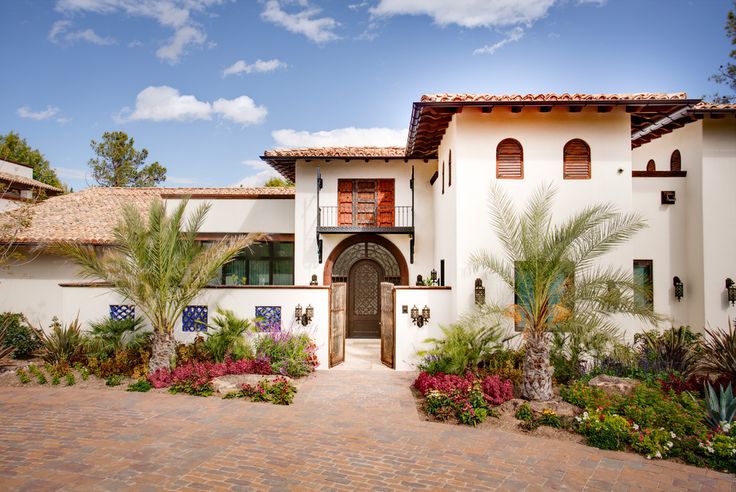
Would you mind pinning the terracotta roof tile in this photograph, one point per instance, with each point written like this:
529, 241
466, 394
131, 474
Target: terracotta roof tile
343, 152
551, 97
14, 178
709, 106
89, 216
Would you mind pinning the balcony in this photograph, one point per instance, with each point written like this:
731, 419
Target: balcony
366, 218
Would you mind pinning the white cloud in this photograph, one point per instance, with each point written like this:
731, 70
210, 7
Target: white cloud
61, 33
164, 103
306, 21
341, 137
241, 110
62, 120
135, 44
44, 114
259, 66
513, 35
69, 173
180, 181
172, 14
264, 172
468, 13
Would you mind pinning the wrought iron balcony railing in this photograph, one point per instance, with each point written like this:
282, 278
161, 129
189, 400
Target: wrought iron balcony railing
361, 218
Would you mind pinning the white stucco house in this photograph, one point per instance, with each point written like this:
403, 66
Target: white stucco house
363, 223
17, 186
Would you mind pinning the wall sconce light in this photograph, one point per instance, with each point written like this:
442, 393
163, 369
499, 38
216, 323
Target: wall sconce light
731, 289
434, 276
304, 316
314, 280
480, 292
679, 288
420, 319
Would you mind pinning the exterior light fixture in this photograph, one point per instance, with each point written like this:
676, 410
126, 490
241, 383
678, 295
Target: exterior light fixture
731, 289
679, 288
314, 279
480, 292
420, 319
304, 316
420, 280
434, 276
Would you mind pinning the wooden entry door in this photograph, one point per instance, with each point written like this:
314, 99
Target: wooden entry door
364, 299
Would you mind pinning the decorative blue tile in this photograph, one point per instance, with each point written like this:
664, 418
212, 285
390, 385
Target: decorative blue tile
194, 318
268, 318
122, 311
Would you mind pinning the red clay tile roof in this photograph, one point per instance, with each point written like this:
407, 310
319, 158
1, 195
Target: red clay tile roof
89, 216
338, 152
551, 97
22, 180
709, 106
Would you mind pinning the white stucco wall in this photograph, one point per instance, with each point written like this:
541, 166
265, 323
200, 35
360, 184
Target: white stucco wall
16, 169
240, 215
93, 303
409, 338
305, 210
543, 136
672, 240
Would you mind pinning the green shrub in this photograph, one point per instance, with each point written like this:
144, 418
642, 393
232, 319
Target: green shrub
506, 363
462, 347
55, 380
279, 391
524, 412
142, 386
671, 350
605, 431
70, 379
572, 344
550, 419
650, 408
22, 376
64, 345
114, 380
584, 396
228, 341
109, 336
192, 352
718, 355
18, 335
291, 354
38, 374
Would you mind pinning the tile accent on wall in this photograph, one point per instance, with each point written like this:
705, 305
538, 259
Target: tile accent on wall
194, 318
268, 318
122, 311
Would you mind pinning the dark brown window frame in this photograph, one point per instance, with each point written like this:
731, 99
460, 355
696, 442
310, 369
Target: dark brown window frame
676, 160
521, 159
564, 160
650, 265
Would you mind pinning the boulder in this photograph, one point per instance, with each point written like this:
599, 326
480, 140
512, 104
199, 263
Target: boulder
561, 408
232, 382
614, 386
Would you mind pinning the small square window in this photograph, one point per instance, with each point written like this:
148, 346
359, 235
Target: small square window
268, 318
194, 318
122, 311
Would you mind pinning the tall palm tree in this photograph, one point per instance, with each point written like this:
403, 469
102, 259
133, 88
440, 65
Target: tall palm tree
159, 265
556, 279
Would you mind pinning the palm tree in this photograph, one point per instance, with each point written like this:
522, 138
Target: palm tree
159, 265
553, 271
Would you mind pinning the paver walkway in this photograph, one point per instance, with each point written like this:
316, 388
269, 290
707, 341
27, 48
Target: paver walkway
346, 431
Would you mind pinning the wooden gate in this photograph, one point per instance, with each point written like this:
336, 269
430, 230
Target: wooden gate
388, 332
338, 304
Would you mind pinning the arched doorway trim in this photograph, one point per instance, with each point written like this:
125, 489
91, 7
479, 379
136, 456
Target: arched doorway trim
366, 238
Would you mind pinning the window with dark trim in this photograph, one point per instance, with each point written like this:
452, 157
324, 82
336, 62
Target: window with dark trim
265, 263
576, 160
676, 161
644, 282
509, 160
449, 170
443, 177
651, 166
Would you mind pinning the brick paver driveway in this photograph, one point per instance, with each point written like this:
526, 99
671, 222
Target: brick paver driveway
347, 430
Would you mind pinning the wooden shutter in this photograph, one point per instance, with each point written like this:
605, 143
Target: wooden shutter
576, 160
676, 161
385, 202
509, 160
651, 166
364, 198
345, 202
449, 170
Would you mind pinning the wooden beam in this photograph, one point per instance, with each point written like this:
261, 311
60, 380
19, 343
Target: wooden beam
516, 109
486, 109
433, 178
575, 109
545, 109
605, 109
634, 109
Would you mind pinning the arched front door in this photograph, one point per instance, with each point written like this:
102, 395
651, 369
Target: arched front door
364, 299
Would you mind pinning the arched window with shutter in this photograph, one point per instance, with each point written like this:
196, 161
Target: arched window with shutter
576, 160
651, 166
676, 161
509, 160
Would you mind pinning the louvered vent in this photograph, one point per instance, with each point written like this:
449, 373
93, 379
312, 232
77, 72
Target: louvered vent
576, 160
509, 160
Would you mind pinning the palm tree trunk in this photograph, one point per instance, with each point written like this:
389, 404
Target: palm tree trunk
537, 379
163, 351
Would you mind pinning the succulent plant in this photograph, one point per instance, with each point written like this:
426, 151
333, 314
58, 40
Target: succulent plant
720, 408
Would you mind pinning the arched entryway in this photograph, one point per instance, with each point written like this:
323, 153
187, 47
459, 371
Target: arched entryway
363, 262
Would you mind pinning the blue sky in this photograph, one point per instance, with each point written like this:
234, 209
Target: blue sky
207, 85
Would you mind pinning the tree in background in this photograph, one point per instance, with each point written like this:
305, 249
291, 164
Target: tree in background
279, 183
15, 148
727, 74
118, 163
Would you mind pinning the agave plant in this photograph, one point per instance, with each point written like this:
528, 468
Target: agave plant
553, 272
109, 335
720, 408
63, 345
718, 353
228, 340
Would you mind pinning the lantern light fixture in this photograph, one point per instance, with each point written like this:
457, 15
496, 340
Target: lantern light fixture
679, 288
434, 276
304, 316
420, 319
731, 290
480, 292
314, 279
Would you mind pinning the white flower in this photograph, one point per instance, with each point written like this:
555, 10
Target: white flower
586, 416
658, 455
649, 457
710, 449
673, 435
578, 419
661, 428
636, 427
726, 427
669, 444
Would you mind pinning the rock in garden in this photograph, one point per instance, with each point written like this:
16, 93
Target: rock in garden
613, 385
232, 382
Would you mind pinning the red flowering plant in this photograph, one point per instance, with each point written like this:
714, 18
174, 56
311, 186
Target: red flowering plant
279, 391
195, 378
